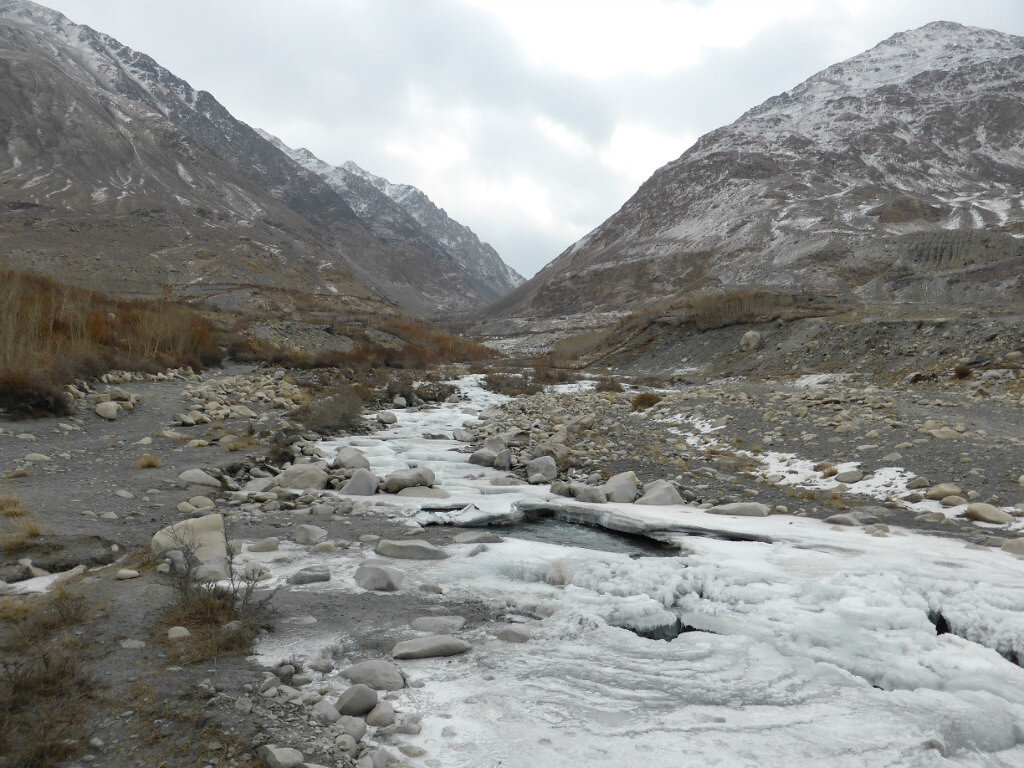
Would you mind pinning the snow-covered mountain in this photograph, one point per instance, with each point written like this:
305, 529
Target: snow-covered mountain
117, 173
897, 175
403, 212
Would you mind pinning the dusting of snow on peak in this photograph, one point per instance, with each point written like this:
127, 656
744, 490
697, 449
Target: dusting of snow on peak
897, 174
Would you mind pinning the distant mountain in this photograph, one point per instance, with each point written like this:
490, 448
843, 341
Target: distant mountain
117, 173
400, 212
897, 175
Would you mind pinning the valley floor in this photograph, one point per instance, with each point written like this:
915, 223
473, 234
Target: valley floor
835, 623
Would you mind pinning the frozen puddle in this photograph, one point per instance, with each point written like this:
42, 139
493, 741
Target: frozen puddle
815, 647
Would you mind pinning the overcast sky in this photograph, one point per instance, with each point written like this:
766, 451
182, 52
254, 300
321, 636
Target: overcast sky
530, 121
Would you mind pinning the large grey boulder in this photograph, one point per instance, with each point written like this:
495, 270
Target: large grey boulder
357, 700
483, 458
353, 726
438, 624
588, 493
494, 444
204, 538
621, 488
362, 483
350, 458
310, 575
325, 712
382, 715
414, 549
408, 478
661, 493
987, 513
750, 340
107, 410
377, 673
280, 757
942, 490
429, 647
199, 477
379, 578
308, 534
741, 508
544, 467
304, 477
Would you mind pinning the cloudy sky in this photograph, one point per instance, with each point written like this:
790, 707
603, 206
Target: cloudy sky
531, 121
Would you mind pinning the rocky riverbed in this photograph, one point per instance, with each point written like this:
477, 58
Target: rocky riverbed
788, 561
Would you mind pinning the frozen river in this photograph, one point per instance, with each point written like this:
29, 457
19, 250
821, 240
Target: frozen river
810, 645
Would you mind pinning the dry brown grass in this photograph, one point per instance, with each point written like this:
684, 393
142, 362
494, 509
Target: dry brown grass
645, 400
19, 533
511, 384
12, 506
14, 474
51, 333
149, 461
608, 384
44, 685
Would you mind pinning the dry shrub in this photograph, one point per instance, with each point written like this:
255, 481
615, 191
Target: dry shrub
339, 412
608, 384
204, 608
511, 384
645, 400
149, 461
547, 371
234, 442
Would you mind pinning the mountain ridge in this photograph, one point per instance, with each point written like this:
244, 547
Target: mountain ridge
119, 173
826, 187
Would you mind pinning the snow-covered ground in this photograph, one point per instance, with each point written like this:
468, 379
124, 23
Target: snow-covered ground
815, 646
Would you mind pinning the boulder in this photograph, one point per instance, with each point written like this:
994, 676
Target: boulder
408, 478
325, 712
308, 534
379, 578
350, 458
382, 715
590, 494
478, 537
463, 435
503, 460
310, 575
378, 674
621, 488
543, 466
204, 538
304, 477
483, 458
429, 647
357, 700
422, 492
438, 624
514, 634
987, 513
750, 340
362, 483
199, 477
849, 477
107, 410
942, 490
742, 508
279, 757
414, 549
353, 726
386, 417
269, 544
661, 493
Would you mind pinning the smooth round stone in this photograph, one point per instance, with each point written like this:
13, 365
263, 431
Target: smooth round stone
430, 647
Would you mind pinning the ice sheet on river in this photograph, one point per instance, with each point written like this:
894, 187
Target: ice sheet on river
815, 646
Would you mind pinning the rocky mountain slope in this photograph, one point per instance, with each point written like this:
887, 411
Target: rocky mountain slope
401, 212
118, 173
894, 176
